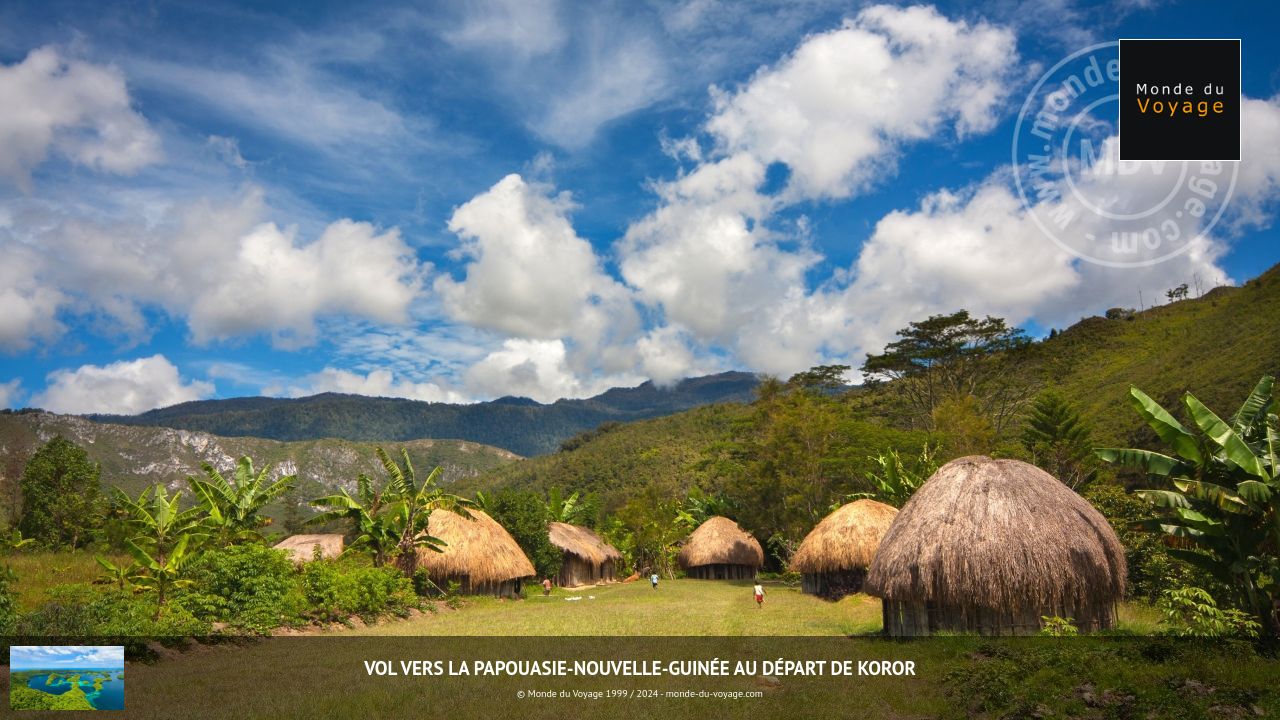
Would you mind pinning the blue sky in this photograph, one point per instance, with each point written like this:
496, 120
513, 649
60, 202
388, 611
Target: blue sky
52, 657
458, 202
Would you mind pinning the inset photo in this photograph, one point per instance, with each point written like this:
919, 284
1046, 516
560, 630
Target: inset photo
66, 677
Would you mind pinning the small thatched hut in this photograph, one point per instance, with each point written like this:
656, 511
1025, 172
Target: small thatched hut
720, 550
990, 546
481, 555
835, 555
587, 558
302, 548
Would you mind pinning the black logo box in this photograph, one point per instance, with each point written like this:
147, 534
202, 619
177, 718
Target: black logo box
1186, 68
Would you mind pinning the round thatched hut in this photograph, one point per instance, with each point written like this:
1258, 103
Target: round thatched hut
302, 548
991, 546
835, 555
720, 550
481, 555
587, 558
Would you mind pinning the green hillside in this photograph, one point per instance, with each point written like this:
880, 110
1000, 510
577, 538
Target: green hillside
1216, 346
133, 457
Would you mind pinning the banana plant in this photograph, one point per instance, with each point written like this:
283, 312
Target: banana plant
162, 546
14, 541
162, 572
1223, 513
119, 575
413, 507
234, 507
367, 515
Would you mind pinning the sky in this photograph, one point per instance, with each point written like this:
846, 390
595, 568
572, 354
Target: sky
53, 657
458, 202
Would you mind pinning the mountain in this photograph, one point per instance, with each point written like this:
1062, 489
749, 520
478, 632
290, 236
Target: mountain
519, 425
133, 457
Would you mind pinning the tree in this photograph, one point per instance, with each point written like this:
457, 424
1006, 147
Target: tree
1177, 293
1223, 513
162, 543
895, 480
61, 496
234, 507
964, 428
820, 378
949, 356
524, 514
1059, 441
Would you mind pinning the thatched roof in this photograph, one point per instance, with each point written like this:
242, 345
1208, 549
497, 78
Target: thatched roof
719, 541
479, 548
582, 542
845, 539
998, 534
301, 548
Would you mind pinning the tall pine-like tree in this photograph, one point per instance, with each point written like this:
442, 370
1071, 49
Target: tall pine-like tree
1059, 440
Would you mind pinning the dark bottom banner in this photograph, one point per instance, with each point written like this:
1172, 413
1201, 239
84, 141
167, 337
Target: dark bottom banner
665, 678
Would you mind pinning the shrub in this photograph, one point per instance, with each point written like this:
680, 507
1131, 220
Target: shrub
1058, 627
6, 602
79, 610
1152, 572
336, 589
1192, 612
250, 587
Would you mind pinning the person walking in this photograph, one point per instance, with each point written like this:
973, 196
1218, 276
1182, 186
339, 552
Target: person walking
759, 591
546, 587
653, 580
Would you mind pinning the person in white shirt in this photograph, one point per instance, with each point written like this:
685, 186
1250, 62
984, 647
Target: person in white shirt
759, 590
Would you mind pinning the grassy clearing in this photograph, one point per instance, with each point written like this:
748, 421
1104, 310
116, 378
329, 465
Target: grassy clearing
40, 571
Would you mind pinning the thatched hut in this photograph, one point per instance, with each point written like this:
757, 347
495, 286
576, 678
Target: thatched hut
835, 555
587, 558
481, 555
991, 546
302, 548
720, 550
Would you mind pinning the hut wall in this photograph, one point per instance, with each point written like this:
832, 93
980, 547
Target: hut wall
914, 619
722, 571
576, 571
834, 585
503, 589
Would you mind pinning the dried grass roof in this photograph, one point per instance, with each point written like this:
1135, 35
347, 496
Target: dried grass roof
582, 542
999, 534
479, 548
719, 541
301, 548
845, 539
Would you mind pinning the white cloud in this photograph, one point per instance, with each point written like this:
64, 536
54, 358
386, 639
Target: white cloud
376, 383
525, 28
220, 266
10, 392
836, 110
535, 369
78, 109
121, 388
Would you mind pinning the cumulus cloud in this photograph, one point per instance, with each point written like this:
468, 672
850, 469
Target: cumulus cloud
77, 109
125, 387
834, 113
10, 392
222, 267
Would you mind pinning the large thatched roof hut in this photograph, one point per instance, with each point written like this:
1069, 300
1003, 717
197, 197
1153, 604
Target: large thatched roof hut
990, 546
587, 558
835, 555
481, 555
720, 550
302, 548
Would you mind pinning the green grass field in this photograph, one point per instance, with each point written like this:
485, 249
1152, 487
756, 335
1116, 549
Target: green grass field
40, 571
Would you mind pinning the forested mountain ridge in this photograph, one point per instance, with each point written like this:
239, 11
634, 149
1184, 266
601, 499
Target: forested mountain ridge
520, 425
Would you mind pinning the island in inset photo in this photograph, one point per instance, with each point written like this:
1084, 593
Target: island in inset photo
66, 677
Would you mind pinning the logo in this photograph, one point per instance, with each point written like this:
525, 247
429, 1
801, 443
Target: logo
1068, 172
